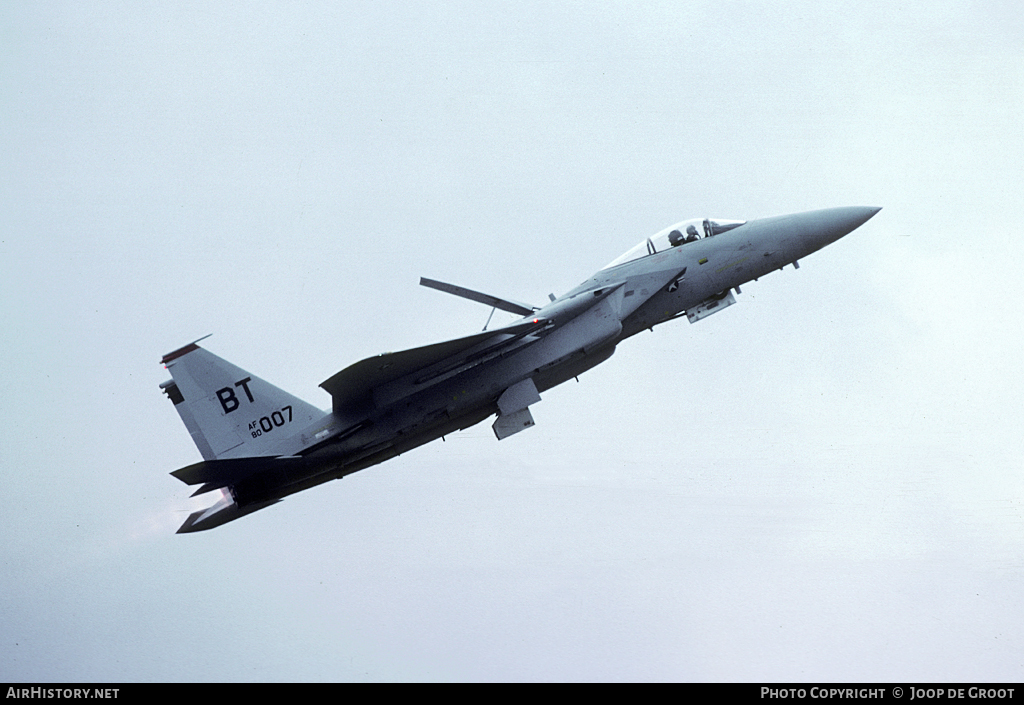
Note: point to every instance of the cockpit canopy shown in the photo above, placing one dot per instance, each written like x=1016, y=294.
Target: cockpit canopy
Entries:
x=677, y=235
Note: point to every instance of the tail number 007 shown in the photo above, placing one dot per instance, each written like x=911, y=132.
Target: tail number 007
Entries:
x=266, y=424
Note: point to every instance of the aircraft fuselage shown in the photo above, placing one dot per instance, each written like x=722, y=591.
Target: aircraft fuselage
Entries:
x=503, y=374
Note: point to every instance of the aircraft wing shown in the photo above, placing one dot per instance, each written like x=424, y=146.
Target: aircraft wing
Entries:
x=352, y=388
x=504, y=304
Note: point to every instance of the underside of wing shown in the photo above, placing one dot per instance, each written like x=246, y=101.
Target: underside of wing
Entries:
x=352, y=388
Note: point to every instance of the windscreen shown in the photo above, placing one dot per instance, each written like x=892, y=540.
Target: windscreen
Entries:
x=676, y=236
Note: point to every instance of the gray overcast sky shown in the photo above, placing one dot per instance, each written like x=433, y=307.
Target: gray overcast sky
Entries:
x=822, y=483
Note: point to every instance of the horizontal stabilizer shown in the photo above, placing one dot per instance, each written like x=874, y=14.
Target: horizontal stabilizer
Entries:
x=479, y=297
x=220, y=513
x=213, y=474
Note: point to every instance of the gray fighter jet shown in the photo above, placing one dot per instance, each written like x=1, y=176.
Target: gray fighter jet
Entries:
x=260, y=444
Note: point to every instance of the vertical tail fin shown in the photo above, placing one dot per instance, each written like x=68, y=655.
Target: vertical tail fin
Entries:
x=231, y=413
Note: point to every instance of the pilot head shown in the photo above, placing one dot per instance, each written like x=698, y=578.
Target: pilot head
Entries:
x=675, y=238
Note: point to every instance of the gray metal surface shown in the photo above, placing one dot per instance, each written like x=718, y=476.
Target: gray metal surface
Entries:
x=261, y=444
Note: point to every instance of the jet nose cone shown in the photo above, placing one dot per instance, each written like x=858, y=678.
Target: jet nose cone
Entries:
x=849, y=218
x=826, y=226
x=856, y=216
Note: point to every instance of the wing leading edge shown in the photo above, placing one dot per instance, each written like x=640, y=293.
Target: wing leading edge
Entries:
x=515, y=307
x=353, y=387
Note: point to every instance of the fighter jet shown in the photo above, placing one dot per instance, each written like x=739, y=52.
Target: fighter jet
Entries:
x=260, y=444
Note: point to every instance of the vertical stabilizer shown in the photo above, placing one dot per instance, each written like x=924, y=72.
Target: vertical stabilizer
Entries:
x=231, y=413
